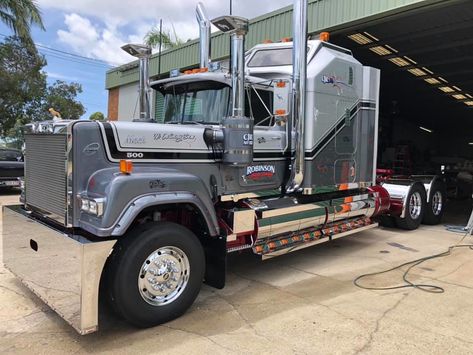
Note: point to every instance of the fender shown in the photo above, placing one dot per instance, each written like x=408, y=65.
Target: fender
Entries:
x=142, y=202
x=126, y=196
x=428, y=181
x=398, y=191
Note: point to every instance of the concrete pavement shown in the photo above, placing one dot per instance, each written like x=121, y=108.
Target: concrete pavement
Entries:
x=303, y=303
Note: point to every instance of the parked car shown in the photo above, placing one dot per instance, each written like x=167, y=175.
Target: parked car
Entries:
x=11, y=167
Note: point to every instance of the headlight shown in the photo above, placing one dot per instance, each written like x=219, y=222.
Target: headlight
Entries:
x=92, y=205
x=85, y=205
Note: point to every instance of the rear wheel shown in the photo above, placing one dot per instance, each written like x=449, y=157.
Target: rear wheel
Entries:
x=156, y=274
x=415, y=209
x=435, y=207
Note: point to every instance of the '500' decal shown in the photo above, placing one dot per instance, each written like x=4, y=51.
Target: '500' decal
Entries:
x=134, y=155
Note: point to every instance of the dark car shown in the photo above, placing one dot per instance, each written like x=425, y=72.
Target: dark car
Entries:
x=11, y=167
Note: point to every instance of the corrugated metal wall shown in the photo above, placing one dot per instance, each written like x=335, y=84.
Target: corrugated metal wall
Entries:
x=322, y=15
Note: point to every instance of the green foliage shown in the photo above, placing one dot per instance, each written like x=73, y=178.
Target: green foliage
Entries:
x=23, y=85
x=61, y=96
x=19, y=15
x=97, y=116
x=169, y=40
x=24, y=94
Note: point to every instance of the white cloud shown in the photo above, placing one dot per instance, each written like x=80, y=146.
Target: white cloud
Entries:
x=59, y=76
x=97, y=29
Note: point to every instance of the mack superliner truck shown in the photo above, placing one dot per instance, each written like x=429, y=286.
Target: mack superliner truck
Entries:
x=272, y=155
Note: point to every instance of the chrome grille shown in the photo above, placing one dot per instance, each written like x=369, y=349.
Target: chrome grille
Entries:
x=45, y=173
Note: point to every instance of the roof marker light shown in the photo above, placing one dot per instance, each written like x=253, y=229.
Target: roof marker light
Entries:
x=324, y=36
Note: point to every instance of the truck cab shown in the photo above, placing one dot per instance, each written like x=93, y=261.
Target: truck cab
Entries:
x=274, y=154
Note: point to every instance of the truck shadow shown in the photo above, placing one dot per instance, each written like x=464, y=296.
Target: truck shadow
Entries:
x=255, y=290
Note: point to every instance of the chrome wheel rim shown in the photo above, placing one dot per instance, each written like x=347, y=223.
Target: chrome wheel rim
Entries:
x=415, y=205
x=437, y=203
x=164, y=276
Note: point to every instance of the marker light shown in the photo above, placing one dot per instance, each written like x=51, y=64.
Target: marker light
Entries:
x=281, y=84
x=280, y=112
x=324, y=36
x=126, y=166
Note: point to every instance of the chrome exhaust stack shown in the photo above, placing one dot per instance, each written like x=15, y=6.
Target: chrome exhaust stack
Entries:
x=204, y=35
x=237, y=129
x=143, y=53
x=299, y=75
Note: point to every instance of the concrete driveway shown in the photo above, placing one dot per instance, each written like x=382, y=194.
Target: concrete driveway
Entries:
x=303, y=303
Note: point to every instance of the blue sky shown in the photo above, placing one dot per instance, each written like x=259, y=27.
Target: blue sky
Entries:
x=97, y=28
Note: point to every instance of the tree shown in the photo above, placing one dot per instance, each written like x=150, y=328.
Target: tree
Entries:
x=61, y=96
x=97, y=116
x=23, y=85
x=19, y=15
x=153, y=36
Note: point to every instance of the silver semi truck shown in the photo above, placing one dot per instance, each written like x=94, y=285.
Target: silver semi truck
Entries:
x=274, y=154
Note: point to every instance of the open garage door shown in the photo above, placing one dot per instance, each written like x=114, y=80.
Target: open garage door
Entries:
x=426, y=113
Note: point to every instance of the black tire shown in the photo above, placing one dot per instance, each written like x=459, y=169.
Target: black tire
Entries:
x=412, y=221
x=125, y=270
x=386, y=221
x=436, y=206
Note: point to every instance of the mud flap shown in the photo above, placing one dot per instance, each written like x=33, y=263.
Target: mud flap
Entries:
x=215, y=261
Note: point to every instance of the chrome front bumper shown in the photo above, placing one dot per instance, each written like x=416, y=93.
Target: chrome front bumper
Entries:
x=63, y=270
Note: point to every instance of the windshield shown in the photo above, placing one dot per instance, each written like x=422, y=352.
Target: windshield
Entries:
x=199, y=102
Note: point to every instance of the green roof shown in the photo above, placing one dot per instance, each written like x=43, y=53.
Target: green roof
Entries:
x=332, y=15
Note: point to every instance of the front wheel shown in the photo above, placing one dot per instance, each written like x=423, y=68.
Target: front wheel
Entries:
x=415, y=209
x=156, y=273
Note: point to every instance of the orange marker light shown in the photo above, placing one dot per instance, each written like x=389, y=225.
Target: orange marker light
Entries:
x=286, y=39
x=126, y=166
x=280, y=112
x=266, y=41
x=281, y=84
x=324, y=36
x=188, y=71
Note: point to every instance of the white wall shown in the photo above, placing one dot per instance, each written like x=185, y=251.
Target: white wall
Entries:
x=128, y=102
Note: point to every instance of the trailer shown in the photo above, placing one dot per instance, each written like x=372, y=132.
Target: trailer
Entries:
x=276, y=154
